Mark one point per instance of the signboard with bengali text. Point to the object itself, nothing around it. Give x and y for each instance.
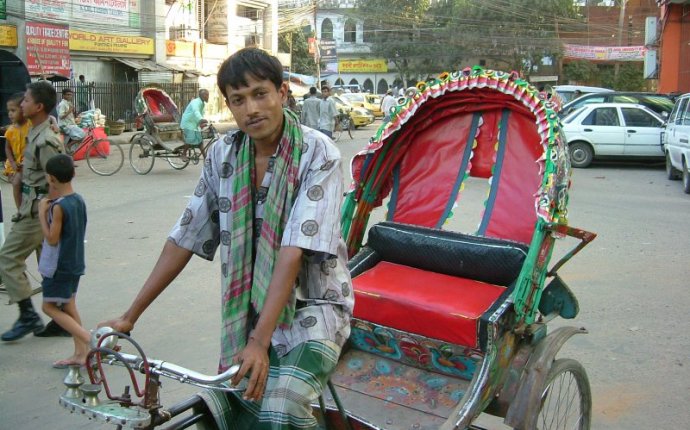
(47, 48)
(111, 43)
(179, 48)
(327, 51)
(8, 35)
(100, 11)
(604, 53)
(50, 9)
(363, 66)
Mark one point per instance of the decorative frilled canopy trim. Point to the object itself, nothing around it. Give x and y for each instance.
(551, 198)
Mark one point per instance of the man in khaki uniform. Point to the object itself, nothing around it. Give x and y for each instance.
(26, 236)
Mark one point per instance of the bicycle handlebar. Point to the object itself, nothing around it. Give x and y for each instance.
(177, 372)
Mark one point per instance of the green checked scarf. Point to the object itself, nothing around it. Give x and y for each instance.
(248, 280)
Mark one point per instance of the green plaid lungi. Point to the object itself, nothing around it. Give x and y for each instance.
(295, 381)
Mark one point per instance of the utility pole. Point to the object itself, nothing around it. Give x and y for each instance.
(621, 22)
(317, 51)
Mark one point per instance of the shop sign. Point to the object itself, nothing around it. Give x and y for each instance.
(604, 53)
(47, 49)
(8, 35)
(3, 9)
(134, 20)
(179, 48)
(327, 51)
(51, 9)
(363, 66)
(111, 43)
(110, 11)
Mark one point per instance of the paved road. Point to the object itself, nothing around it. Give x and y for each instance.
(631, 283)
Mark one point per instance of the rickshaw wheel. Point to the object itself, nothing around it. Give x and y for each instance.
(180, 161)
(102, 162)
(141, 155)
(566, 401)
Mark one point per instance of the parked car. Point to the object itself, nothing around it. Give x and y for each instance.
(567, 92)
(364, 101)
(360, 116)
(662, 104)
(676, 143)
(349, 88)
(607, 130)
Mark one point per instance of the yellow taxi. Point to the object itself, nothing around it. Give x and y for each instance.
(359, 115)
(365, 101)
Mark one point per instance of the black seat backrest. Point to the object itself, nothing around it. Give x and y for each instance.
(494, 261)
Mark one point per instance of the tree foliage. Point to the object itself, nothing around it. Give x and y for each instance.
(422, 37)
(302, 60)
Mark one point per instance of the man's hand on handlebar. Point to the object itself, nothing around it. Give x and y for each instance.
(121, 325)
(254, 360)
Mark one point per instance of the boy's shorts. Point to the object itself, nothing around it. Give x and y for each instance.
(59, 290)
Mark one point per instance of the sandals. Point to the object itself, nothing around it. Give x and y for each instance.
(64, 364)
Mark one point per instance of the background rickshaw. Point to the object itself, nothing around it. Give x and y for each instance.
(447, 325)
(162, 135)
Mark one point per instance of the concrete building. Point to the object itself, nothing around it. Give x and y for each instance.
(674, 46)
(354, 63)
(133, 40)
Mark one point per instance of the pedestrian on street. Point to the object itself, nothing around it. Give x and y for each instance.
(63, 220)
(386, 104)
(193, 121)
(82, 101)
(311, 110)
(270, 198)
(328, 113)
(25, 236)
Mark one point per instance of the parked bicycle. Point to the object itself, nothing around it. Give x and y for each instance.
(344, 124)
(103, 156)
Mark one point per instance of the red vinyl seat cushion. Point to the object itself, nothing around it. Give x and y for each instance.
(430, 304)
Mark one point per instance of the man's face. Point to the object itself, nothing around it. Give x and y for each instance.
(29, 106)
(258, 108)
(67, 96)
(326, 93)
(204, 96)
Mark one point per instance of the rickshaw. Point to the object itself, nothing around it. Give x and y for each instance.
(162, 135)
(447, 325)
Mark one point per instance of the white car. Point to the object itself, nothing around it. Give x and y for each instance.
(610, 130)
(571, 92)
(677, 142)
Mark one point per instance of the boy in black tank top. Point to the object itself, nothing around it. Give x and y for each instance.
(63, 221)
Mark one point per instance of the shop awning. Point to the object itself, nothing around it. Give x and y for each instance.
(143, 65)
(191, 73)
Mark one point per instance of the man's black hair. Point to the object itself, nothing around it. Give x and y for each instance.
(81, 77)
(43, 92)
(16, 98)
(247, 62)
(312, 90)
(67, 91)
(62, 167)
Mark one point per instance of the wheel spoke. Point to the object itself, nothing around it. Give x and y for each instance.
(565, 401)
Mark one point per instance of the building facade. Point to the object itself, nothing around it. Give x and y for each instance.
(674, 46)
(133, 40)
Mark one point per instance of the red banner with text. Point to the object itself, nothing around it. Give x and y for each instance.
(47, 49)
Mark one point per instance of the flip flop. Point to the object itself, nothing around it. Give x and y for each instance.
(64, 364)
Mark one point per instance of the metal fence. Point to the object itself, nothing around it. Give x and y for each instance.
(116, 99)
